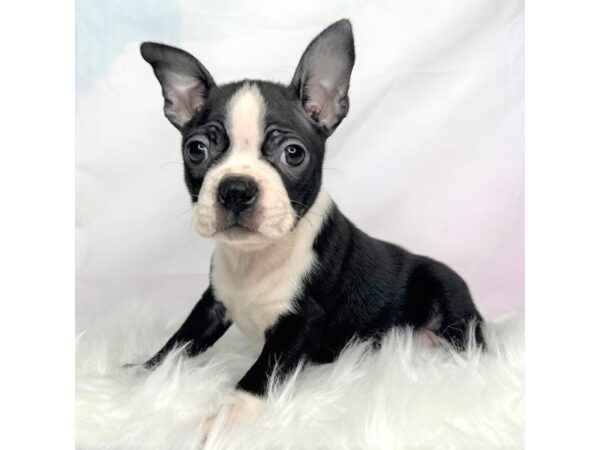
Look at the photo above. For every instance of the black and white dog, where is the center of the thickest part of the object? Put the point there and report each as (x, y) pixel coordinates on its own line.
(289, 269)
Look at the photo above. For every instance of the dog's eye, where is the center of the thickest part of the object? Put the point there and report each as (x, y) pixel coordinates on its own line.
(293, 155)
(196, 151)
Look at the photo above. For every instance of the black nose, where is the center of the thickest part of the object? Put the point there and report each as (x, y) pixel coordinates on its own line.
(237, 193)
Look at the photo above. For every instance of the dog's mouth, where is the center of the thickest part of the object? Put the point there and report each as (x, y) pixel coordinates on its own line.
(237, 228)
(237, 231)
(240, 235)
(254, 226)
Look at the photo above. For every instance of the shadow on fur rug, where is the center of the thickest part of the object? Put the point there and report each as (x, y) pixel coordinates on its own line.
(406, 395)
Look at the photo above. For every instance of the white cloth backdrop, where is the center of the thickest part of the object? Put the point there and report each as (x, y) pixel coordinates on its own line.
(430, 156)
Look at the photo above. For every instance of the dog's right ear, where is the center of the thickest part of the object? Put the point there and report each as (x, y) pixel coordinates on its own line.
(185, 82)
(322, 78)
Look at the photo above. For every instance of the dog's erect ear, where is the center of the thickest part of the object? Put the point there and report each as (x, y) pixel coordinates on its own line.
(322, 77)
(185, 82)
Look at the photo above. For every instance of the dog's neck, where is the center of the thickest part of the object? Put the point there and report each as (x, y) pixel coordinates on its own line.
(272, 255)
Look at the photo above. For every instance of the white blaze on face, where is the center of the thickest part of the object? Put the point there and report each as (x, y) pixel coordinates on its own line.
(274, 215)
(245, 121)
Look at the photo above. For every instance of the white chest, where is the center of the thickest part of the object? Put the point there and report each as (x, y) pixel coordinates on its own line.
(258, 286)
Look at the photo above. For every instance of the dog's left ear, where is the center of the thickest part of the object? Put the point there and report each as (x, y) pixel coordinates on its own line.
(322, 77)
(185, 82)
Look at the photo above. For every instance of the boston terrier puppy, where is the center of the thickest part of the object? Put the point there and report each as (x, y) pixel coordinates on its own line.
(289, 269)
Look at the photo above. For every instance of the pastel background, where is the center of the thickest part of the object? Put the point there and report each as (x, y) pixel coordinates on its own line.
(430, 156)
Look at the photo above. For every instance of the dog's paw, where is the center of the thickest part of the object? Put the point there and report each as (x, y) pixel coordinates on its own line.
(242, 406)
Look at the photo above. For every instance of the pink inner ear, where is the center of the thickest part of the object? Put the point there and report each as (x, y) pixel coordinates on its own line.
(313, 110)
(184, 101)
(321, 102)
(195, 98)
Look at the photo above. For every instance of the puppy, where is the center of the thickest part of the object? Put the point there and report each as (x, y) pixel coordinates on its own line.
(289, 269)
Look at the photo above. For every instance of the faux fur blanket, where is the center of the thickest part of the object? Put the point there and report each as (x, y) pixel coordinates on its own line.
(407, 394)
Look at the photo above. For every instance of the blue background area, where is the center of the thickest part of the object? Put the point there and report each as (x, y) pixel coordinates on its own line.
(105, 27)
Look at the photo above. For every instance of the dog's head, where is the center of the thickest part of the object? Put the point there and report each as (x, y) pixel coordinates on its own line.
(253, 150)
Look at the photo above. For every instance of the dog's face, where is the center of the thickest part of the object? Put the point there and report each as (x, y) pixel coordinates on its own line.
(253, 150)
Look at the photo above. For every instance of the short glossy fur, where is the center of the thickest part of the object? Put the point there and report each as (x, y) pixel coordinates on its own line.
(346, 284)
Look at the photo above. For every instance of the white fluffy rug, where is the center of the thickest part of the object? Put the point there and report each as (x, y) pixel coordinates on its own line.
(406, 395)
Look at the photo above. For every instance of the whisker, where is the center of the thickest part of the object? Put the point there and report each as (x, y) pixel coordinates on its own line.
(299, 203)
(179, 215)
(310, 223)
(307, 209)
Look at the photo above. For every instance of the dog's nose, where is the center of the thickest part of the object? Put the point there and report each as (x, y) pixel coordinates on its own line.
(237, 193)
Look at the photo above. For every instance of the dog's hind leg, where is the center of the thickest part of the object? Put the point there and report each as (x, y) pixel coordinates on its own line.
(460, 330)
(439, 301)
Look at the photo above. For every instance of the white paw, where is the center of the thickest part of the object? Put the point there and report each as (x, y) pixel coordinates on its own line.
(241, 406)
(429, 338)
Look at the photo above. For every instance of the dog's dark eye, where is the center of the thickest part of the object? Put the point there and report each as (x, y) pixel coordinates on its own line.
(196, 151)
(293, 155)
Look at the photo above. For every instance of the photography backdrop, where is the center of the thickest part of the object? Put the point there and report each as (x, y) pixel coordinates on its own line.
(429, 157)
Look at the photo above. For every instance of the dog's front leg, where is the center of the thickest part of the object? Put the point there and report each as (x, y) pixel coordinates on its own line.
(295, 337)
(204, 326)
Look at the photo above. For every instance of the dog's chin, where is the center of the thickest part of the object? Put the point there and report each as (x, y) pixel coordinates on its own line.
(241, 236)
(237, 233)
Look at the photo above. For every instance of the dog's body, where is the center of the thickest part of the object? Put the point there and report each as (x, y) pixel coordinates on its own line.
(294, 274)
